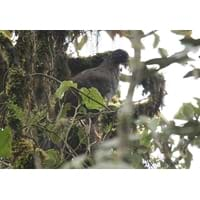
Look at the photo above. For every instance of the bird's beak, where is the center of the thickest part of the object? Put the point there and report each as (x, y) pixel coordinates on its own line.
(125, 65)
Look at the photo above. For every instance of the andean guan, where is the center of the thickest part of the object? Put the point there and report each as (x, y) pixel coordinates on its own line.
(104, 77)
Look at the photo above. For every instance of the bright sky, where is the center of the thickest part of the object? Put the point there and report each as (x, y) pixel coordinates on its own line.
(179, 90)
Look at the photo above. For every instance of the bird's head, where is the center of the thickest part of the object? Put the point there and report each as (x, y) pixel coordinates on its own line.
(120, 56)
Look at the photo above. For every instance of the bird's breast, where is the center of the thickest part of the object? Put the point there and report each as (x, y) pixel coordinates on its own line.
(114, 82)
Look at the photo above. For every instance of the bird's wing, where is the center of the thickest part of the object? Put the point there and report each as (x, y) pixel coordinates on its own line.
(96, 77)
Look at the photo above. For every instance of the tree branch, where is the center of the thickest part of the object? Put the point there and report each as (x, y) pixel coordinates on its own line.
(179, 57)
(125, 112)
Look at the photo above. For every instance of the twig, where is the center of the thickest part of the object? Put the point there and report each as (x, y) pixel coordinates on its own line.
(47, 76)
(164, 62)
(150, 33)
(68, 130)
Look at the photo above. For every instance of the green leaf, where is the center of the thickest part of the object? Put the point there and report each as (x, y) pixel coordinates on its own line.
(5, 142)
(92, 98)
(156, 40)
(163, 52)
(64, 86)
(186, 112)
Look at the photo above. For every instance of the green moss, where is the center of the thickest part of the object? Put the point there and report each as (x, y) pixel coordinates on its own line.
(16, 92)
(23, 152)
(16, 85)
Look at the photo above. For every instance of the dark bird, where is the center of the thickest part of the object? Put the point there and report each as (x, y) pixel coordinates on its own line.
(105, 77)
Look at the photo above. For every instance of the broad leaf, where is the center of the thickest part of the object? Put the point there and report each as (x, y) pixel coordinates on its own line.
(64, 86)
(186, 112)
(5, 142)
(163, 52)
(92, 98)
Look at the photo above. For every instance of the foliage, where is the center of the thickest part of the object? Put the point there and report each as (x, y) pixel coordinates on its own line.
(5, 143)
(64, 86)
(88, 97)
(36, 133)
